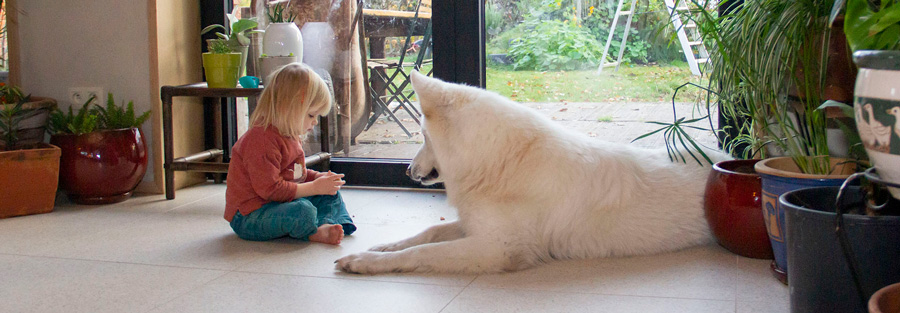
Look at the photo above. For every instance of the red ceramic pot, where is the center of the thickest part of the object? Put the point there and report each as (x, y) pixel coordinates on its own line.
(732, 206)
(103, 166)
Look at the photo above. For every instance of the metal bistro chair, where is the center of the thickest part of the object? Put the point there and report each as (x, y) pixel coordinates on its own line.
(390, 78)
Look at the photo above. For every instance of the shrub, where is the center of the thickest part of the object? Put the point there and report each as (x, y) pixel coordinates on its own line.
(554, 45)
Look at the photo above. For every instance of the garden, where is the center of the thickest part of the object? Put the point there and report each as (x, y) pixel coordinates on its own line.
(549, 50)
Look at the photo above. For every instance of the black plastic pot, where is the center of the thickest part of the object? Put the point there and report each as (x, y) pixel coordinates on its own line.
(820, 276)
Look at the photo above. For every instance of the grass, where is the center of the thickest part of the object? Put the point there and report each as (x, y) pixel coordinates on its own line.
(640, 83)
(651, 83)
(605, 119)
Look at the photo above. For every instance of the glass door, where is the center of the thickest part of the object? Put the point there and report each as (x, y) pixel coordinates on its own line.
(544, 54)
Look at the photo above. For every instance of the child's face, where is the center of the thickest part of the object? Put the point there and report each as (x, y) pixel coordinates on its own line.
(311, 121)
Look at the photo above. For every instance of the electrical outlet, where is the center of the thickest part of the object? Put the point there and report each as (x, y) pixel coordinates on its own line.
(80, 95)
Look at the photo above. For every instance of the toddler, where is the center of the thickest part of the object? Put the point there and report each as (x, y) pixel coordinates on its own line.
(270, 192)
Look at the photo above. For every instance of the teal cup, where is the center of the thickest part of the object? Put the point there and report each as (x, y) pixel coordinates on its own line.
(249, 81)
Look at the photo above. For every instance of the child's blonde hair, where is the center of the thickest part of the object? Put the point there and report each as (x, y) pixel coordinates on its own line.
(291, 93)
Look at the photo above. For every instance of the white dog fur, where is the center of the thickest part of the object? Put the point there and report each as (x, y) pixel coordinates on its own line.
(529, 191)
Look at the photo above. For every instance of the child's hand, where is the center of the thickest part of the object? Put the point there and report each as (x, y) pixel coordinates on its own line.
(320, 174)
(328, 183)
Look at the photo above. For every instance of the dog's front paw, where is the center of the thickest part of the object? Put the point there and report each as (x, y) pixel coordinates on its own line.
(364, 263)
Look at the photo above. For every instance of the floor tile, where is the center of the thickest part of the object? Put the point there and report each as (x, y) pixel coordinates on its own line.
(410, 208)
(756, 285)
(706, 272)
(38, 284)
(151, 254)
(289, 256)
(763, 307)
(245, 292)
(474, 300)
(162, 239)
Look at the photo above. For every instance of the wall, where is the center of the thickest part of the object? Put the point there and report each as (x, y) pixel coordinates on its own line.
(114, 45)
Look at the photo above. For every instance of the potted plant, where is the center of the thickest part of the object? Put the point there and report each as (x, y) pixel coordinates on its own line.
(770, 70)
(29, 171)
(33, 113)
(847, 237)
(104, 155)
(873, 31)
(221, 65)
(238, 37)
(282, 41)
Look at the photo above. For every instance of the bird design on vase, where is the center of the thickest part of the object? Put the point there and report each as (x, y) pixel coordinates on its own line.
(881, 133)
(895, 111)
(865, 130)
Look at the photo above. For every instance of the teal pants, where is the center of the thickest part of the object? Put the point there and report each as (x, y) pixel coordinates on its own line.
(298, 218)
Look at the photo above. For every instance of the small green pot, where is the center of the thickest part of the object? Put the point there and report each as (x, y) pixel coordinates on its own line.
(222, 69)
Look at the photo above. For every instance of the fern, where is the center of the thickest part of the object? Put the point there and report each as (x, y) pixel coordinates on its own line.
(85, 121)
(118, 117)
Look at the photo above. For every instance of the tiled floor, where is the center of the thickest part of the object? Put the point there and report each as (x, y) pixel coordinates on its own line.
(152, 255)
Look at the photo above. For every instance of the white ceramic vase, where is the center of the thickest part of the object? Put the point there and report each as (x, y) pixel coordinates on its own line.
(318, 45)
(877, 106)
(283, 39)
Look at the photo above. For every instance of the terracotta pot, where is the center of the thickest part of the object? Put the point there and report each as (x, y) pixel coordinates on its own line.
(780, 175)
(103, 166)
(731, 203)
(886, 300)
(28, 181)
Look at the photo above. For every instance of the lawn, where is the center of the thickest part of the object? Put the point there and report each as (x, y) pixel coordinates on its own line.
(639, 83)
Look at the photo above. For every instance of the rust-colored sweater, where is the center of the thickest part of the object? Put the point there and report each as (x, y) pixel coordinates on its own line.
(262, 170)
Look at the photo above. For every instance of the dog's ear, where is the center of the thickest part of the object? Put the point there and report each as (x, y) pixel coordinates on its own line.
(429, 91)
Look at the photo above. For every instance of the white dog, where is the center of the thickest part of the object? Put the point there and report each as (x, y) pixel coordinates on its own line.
(529, 191)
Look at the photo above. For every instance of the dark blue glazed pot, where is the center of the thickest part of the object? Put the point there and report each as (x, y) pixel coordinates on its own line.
(780, 175)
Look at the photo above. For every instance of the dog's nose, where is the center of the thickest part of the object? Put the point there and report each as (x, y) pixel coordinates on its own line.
(409, 171)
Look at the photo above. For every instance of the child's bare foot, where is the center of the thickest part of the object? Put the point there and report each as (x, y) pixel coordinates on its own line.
(328, 233)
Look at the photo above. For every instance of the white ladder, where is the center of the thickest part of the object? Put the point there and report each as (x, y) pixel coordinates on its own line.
(612, 30)
(687, 45)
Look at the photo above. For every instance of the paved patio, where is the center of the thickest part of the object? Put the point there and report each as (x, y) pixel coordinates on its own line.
(611, 121)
